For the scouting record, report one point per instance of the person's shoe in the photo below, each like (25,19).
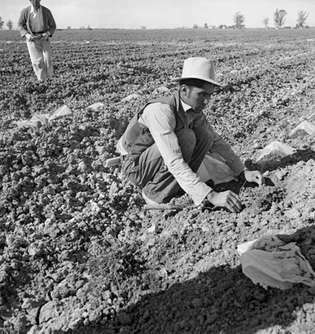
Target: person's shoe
(152,205)
(148,200)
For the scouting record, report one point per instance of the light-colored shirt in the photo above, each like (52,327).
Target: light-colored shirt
(36,20)
(161,121)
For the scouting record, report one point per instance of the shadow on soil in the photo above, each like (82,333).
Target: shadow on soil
(221,300)
(238,186)
(299,155)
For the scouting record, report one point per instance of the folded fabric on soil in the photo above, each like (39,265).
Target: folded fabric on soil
(271,262)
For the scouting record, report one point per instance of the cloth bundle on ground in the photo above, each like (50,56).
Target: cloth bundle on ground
(269,261)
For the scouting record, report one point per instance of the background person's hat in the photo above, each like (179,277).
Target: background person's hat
(199,68)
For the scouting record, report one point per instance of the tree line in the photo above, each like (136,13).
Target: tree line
(9,24)
(279,17)
(238,19)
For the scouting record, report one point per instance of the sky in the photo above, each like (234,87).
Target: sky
(133,14)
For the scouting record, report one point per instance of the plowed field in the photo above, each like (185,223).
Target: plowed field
(78,254)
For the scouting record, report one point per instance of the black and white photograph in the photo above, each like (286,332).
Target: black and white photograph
(157,167)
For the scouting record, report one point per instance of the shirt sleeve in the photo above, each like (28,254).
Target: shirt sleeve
(51,23)
(160,120)
(22,23)
(220,146)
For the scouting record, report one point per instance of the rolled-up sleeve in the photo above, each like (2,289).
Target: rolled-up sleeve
(161,122)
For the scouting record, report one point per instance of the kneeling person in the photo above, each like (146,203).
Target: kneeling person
(167,141)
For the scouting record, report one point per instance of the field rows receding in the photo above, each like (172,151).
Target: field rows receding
(77,252)
(261,73)
(89,63)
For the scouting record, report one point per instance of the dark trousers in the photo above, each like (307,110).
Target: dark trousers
(151,173)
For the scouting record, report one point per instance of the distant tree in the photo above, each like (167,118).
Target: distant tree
(302,16)
(69,27)
(195,26)
(206,25)
(278,17)
(143,27)
(1,23)
(10,25)
(239,20)
(266,22)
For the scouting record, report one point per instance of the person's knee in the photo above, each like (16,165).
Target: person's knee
(187,142)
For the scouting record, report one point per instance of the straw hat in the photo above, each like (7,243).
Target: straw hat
(199,68)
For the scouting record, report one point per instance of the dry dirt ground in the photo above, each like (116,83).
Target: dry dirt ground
(78,254)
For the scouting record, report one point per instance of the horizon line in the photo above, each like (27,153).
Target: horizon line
(224,27)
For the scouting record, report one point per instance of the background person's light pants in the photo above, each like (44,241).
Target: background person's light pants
(40,53)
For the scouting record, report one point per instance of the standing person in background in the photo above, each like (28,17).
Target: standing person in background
(37,25)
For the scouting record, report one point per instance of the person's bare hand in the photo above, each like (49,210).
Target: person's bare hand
(46,35)
(226,199)
(254,176)
(29,37)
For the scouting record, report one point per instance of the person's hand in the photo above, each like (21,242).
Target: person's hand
(226,199)
(29,37)
(254,176)
(46,35)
